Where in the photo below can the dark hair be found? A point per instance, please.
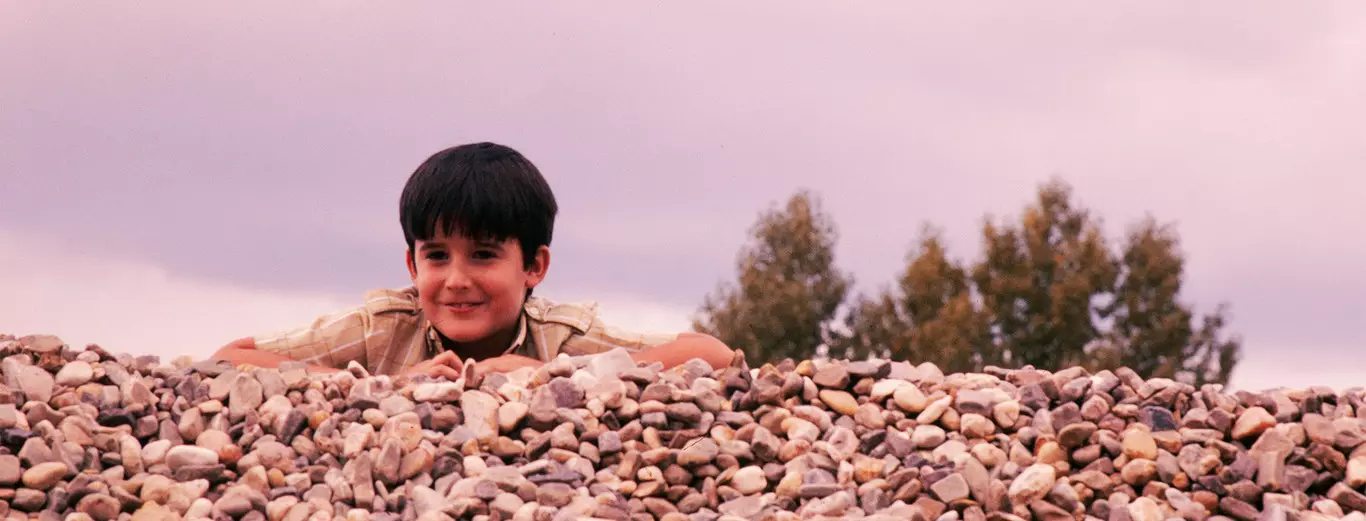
(483, 191)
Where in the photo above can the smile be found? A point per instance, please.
(463, 306)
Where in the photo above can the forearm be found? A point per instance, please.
(245, 352)
(506, 364)
(687, 347)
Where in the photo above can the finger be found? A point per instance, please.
(444, 370)
(482, 367)
(444, 357)
(454, 362)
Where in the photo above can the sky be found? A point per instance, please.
(175, 177)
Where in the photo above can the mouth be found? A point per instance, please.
(463, 307)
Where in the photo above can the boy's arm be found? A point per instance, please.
(506, 364)
(327, 344)
(670, 350)
(670, 354)
(687, 347)
(243, 351)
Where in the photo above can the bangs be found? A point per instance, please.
(466, 207)
(480, 192)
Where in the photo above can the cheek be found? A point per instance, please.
(428, 284)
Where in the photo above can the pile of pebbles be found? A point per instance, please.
(88, 435)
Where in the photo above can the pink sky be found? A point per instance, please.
(167, 158)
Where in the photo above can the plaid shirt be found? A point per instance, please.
(389, 333)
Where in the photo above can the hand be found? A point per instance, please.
(505, 364)
(445, 364)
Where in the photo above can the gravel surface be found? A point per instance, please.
(91, 435)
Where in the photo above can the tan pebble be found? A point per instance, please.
(789, 485)
(951, 419)
(1051, 453)
(976, 426)
(749, 480)
(934, 410)
(1139, 444)
(317, 418)
(276, 477)
(1006, 413)
(1252, 422)
(840, 401)
(44, 476)
(910, 399)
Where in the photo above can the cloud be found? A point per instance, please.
(124, 306)
(629, 311)
(1286, 365)
(129, 306)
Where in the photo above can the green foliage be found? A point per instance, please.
(1038, 281)
(788, 287)
(1048, 291)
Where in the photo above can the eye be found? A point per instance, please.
(435, 255)
(485, 254)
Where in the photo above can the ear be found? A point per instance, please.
(412, 265)
(540, 264)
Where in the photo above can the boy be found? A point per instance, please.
(478, 220)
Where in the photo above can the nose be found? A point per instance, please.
(457, 277)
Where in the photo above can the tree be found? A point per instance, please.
(1210, 358)
(930, 316)
(1048, 292)
(1151, 326)
(1152, 331)
(874, 328)
(1039, 281)
(788, 288)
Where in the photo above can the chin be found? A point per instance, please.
(464, 336)
(463, 332)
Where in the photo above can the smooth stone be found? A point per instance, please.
(44, 476)
(190, 456)
(1032, 484)
(1138, 444)
(481, 414)
(840, 401)
(749, 480)
(1252, 422)
(75, 374)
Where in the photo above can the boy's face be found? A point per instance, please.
(473, 290)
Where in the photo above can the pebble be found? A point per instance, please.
(910, 399)
(834, 376)
(950, 489)
(1139, 444)
(75, 374)
(44, 476)
(92, 435)
(1252, 422)
(190, 456)
(1032, 484)
(840, 401)
(481, 414)
(749, 480)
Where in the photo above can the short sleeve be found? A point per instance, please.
(332, 340)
